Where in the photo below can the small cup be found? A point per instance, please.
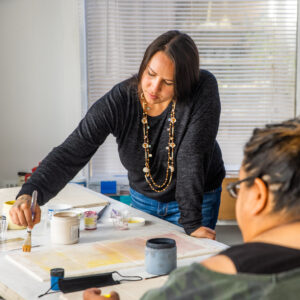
(120, 222)
(160, 256)
(6, 207)
(3, 228)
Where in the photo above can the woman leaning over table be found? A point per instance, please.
(165, 120)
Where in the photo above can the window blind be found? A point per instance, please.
(250, 46)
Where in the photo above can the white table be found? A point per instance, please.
(17, 284)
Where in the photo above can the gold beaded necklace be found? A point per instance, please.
(146, 145)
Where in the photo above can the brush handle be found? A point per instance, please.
(33, 203)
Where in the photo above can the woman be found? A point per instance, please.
(165, 121)
(268, 214)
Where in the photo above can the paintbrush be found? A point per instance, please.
(101, 212)
(27, 243)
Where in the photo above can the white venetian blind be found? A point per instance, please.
(250, 46)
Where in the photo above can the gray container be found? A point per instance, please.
(160, 256)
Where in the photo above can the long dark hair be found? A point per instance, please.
(181, 49)
(273, 154)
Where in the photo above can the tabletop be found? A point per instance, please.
(24, 276)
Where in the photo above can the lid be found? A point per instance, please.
(22, 173)
(90, 213)
(65, 215)
(161, 243)
(57, 272)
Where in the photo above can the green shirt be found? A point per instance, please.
(198, 282)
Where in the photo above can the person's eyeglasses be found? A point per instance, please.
(234, 187)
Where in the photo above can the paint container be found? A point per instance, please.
(65, 228)
(56, 274)
(160, 256)
(90, 220)
(6, 207)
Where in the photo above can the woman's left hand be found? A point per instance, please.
(204, 232)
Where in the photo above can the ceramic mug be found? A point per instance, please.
(6, 207)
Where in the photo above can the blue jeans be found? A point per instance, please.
(170, 211)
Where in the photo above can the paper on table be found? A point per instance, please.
(14, 244)
(11, 244)
(72, 194)
(92, 258)
(76, 196)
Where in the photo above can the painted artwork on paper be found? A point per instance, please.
(92, 258)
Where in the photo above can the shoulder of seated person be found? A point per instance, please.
(220, 263)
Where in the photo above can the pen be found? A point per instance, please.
(154, 276)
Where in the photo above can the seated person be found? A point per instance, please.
(267, 265)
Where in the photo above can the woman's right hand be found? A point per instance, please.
(20, 213)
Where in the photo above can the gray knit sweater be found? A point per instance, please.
(199, 166)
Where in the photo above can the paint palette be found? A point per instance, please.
(136, 222)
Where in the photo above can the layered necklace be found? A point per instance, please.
(170, 147)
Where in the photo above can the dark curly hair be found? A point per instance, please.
(273, 154)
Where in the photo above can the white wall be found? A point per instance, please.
(40, 94)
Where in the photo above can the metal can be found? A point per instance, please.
(160, 256)
(90, 220)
